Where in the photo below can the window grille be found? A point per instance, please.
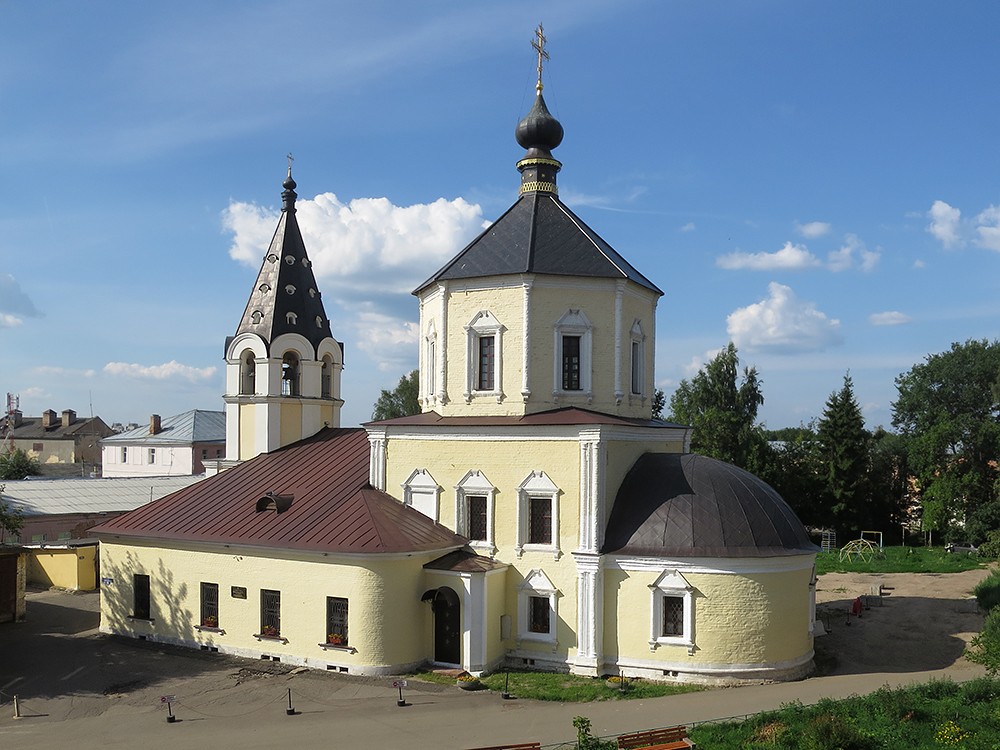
(571, 363)
(210, 605)
(487, 355)
(270, 612)
(673, 616)
(140, 596)
(336, 620)
(477, 518)
(539, 615)
(540, 520)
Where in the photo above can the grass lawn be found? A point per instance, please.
(901, 560)
(936, 714)
(548, 686)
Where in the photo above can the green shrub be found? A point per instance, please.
(981, 690)
(985, 647)
(990, 549)
(987, 592)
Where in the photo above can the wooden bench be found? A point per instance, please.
(670, 738)
(522, 746)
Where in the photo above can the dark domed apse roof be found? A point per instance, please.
(686, 505)
(539, 234)
(285, 298)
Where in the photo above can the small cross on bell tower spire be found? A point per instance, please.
(539, 44)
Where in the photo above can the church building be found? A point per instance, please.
(532, 515)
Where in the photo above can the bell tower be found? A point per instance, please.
(283, 366)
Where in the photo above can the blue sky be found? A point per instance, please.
(819, 182)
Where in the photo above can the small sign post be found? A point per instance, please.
(169, 699)
(400, 684)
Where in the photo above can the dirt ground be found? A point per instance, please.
(921, 622)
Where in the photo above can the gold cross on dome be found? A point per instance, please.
(539, 44)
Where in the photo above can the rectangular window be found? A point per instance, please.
(636, 368)
(124, 455)
(673, 616)
(571, 363)
(37, 447)
(210, 605)
(540, 520)
(204, 453)
(477, 517)
(336, 621)
(270, 613)
(539, 614)
(140, 596)
(486, 359)
(151, 458)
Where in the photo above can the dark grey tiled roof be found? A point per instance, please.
(539, 234)
(686, 505)
(286, 284)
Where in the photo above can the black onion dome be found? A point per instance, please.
(686, 505)
(539, 129)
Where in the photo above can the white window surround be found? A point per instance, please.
(573, 323)
(536, 584)
(637, 371)
(475, 483)
(421, 493)
(537, 484)
(484, 324)
(671, 583)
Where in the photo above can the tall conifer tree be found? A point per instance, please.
(844, 444)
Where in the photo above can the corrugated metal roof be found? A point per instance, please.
(195, 426)
(50, 496)
(688, 505)
(539, 234)
(569, 415)
(333, 508)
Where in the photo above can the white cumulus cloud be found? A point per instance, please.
(853, 253)
(813, 229)
(689, 227)
(390, 341)
(9, 321)
(365, 244)
(168, 371)
(790, 257)
(945, 224)
(889, 318)
(988, 229)
(782, 323)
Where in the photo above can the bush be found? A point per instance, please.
(990, 549)
(985, 647)
(981, 690)
(17, 464)
(987, 592)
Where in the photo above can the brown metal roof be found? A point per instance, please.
(464, 561)
(569, 415)
(687, 505)
(333, 508)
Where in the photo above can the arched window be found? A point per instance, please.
(248, 373)
(290, 374)
(326, 378)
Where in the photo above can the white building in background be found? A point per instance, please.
(175, 446)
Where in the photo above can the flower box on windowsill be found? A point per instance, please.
(270, 637)
(210, 629)
(338, 647)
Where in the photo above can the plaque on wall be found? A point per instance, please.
(239, 592)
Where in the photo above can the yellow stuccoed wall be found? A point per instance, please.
(291, 422)
(549, 301)
(752, 621)
(248, 430)
(388, 626)
(72, 568)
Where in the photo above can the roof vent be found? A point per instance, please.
(275, 502)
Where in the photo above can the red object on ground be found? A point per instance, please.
(856, 607)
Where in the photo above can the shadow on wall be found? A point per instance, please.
(169, 616)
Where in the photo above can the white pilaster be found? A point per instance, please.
(590, 615)
(526, 356)
(619, 294)
(376, 458)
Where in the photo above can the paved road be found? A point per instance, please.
(84, 690)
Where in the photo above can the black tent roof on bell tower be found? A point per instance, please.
(284, 298)
(539, 233)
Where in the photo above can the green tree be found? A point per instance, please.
(948, 409)
(11, 519)
(796, 472)
(17, 464)
(659, 401)
(845, 454)
(401, 401)
(722, 411)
